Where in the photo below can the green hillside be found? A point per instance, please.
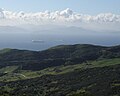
(56, 56)
(64, 70)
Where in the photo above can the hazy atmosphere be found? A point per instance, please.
(29, 25)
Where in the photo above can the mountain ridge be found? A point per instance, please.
(56, 56)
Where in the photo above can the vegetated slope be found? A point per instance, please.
(61, 51)
(17, 55)
(65, 70)
(13, 73)
(56, 56)
(85, 51)
(101, 81)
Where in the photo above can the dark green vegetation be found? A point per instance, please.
(65, 70)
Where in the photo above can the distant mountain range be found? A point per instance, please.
(21, 37)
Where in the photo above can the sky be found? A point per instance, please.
(83, 6)
(93, 14)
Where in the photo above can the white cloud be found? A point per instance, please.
(66, 16)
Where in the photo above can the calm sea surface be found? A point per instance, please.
(25, 40)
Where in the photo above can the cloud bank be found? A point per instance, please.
(67, 16)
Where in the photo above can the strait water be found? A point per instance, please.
(24, 40)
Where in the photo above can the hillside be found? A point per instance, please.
(64, 70)
(61, 51)
(93, 82)
(56, 56)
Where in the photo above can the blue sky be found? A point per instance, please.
(82, 6)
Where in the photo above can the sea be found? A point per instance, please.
(38, 41)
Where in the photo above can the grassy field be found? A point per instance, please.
(12, 73)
